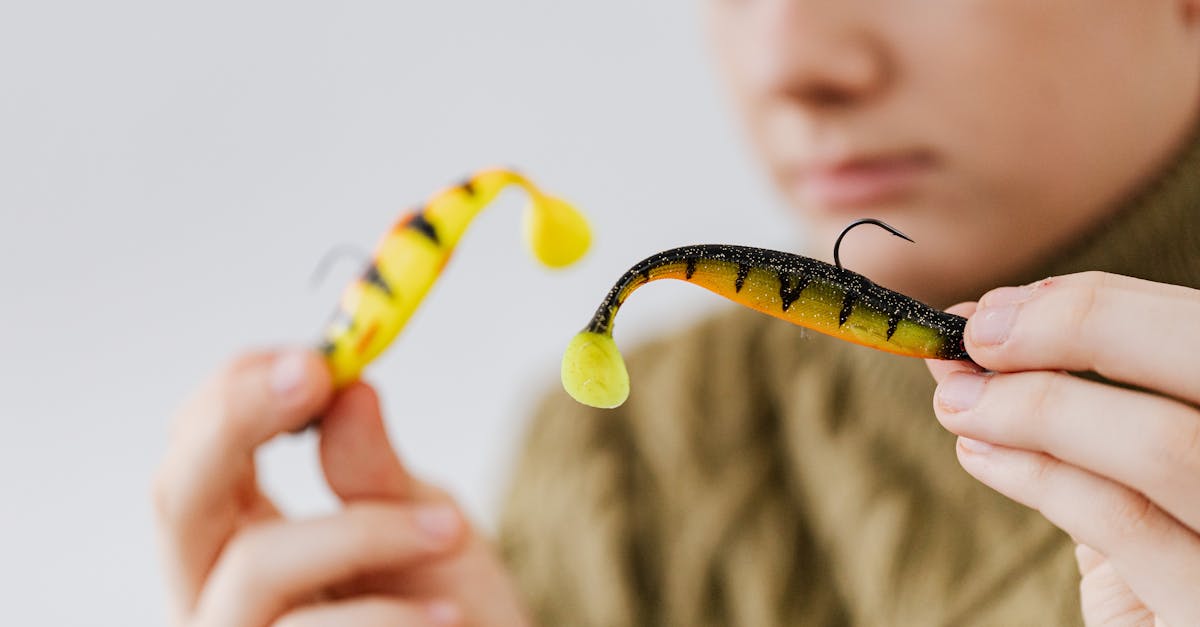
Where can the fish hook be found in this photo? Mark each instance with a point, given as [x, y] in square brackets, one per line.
[339, 252]
[837, 261]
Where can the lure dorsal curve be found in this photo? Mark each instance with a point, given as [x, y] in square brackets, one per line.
[406, 263]
[801, 290]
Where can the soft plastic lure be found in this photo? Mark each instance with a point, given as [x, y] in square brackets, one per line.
[376, 306]
[803, 291]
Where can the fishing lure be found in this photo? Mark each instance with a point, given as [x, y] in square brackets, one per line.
[376, 306]
[804, 291]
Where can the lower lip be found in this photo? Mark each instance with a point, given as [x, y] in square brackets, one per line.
[866, 183]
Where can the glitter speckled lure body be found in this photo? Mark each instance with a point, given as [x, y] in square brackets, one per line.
[801, 290]
[375, 307]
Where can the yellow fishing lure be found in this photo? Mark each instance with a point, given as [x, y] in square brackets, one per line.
[801, 290]
[376, 306]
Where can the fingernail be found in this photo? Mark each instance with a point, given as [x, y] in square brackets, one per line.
[960, 391]
[1008, 295]
[443, 612]
[288, 373]
[440, 522]
[975, 446]
[991, 325]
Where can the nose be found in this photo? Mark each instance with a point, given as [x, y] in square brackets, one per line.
[819, 54]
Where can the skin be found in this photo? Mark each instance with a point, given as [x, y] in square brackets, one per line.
[1020, 144]
[1011, 103]
[399, 552]
[1116, 469]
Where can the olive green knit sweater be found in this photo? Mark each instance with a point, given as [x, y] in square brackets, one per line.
[762, 475]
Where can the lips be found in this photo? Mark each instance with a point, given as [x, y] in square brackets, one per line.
[861, 181]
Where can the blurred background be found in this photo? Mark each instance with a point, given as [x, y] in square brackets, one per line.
[171, 173]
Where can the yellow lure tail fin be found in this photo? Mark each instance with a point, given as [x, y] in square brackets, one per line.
[556, 232]
[593, 371]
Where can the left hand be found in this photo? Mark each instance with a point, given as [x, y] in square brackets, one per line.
[399, 551]
[1117, 469]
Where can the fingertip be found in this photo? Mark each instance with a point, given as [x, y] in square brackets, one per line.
[974, 447]
[973, 457]
[941, 368]
[296, 373]
[300, 384]
[441, 522]
[1012, 295]
[963, 309]
[352, 410]
[354, 399]
[356, 452]
[256, 395]
[289, 373]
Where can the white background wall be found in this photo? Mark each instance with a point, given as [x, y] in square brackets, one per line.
[170, 173]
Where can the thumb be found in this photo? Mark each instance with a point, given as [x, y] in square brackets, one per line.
[356, 456]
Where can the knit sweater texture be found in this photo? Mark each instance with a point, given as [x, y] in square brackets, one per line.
[764, 475]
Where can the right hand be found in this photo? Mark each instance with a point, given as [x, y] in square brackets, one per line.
[399, 552]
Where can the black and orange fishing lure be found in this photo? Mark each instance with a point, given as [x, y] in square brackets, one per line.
[801, 290]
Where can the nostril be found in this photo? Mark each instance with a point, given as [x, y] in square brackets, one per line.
[825, 96]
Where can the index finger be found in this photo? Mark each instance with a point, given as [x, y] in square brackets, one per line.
[1122, 328]
[206, 485]
[215, 433]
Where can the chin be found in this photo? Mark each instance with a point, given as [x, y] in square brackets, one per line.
[928, 270]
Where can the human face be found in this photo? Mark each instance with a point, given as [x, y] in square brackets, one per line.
[991, 131]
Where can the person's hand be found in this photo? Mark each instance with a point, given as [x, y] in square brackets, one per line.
[398, 553]
[1118, 469]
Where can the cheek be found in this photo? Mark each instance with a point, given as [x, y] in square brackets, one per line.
[1075, 87]
[1036, 137]
[728, 47]
[993, 106]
